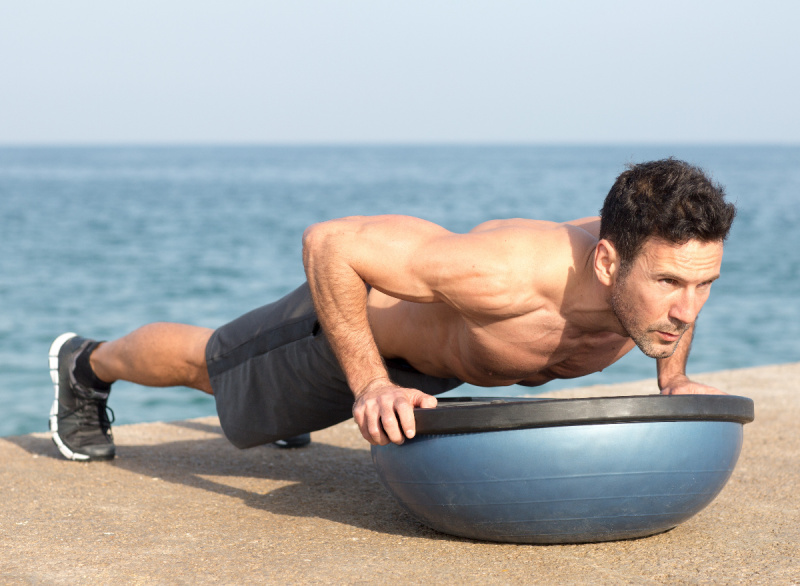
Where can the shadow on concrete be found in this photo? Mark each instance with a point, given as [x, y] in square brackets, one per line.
[321, 481]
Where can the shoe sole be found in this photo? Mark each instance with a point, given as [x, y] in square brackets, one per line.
[292, 443]
[55, 348]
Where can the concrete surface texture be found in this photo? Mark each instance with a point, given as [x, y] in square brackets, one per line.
[180, 505]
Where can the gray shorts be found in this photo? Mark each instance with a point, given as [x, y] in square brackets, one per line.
[275, 376]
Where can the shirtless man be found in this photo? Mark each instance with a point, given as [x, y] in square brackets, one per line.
[397, 309]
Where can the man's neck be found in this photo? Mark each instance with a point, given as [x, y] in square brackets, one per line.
[587, 302]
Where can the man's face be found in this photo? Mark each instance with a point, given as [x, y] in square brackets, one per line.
[660, 295]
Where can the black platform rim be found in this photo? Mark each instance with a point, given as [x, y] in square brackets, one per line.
[481, 414]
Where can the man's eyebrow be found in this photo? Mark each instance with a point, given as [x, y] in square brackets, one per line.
[674, 277]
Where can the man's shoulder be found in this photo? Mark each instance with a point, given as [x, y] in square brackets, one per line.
[528, 263]
[590, 224]
[541, 228]
[558, 242]
[515, 225]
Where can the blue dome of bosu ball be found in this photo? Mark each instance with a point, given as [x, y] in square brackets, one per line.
[565, 470]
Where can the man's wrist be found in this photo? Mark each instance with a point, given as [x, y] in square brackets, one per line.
[365, 387]
[665, 381]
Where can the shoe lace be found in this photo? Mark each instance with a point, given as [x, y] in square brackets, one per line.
[93, 413]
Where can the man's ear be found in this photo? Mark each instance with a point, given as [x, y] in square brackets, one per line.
[606, 262]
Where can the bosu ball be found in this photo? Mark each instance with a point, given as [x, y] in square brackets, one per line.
[565, 470]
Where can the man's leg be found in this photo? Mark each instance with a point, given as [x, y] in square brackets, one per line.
[156, 355]
[83, 370]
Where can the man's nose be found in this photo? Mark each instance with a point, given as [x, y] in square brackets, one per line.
[686, 307]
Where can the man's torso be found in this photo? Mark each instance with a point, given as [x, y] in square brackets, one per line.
[535, 344]
[531, 349]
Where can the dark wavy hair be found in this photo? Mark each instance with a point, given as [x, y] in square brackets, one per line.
[668, 199]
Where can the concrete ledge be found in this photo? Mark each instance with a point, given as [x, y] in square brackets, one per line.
[181, 505]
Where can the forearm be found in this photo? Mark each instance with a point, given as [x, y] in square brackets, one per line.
[675, 366]
[340, 299]
[672, 379]
[338, 259]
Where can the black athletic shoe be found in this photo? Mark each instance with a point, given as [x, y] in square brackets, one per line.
[79, 416]
[298, 441]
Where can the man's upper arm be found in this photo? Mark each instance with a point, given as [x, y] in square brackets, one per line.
[385, 251]
[416, 260]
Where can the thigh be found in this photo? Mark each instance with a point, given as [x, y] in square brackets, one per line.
[274, 374]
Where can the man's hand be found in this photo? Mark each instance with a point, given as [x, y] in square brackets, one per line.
[384, 412]
[681, 385]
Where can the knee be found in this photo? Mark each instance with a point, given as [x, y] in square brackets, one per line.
[198, 377]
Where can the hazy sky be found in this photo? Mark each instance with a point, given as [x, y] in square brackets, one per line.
[290, 71]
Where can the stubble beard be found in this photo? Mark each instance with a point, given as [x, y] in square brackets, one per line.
[642, 335]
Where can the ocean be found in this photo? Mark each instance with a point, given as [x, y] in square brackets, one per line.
[100, 240]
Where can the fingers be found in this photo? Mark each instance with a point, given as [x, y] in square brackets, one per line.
[405, 412]
[404, 421]
[387, 414]
[368, 415]
[705, 390]
[692, 389]
[427, 401]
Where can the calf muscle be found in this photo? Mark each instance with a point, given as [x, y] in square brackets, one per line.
[156, 355]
